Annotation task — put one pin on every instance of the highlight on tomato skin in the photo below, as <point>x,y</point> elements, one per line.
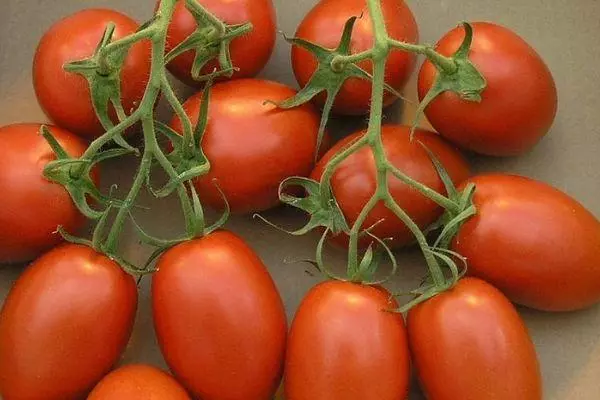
<point>470,343</point>
<point>518,105</point>
<point>65,323</point>
<point>252,145</point>
<point>138,381</point>
<point>217,315</point>
<point>33,207</point>
<point>249,53</point>
<point>324,25</point>
<point>354,181</point>
<point>550,243</point>
<point>65,96</point>
<point>345,344</point>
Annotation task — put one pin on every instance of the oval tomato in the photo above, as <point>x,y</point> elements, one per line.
<point>64,324</point>
<point>343,344</point>
<point>470,343</point>
<point>533,242</point>
<point>518,105</point>
<point>354,181</point>
<point>33,207</point>
<point>65,96</point>
<point>324,25</point>
<point>138,382</point>
<point>252,146</point>
<point>249,53</point>
<point>219,320</point>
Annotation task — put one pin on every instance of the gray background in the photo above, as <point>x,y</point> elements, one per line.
<point>566,34</point>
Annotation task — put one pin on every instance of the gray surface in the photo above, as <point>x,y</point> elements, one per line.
<point>566,34</point>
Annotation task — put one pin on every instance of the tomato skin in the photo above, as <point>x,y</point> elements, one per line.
<point>550,244</point>
<point>518,105</point>
<point>250,53</point>
<point>142,382</point>
<point>324,25</point>
<point>33,207</point>
<point>65,96</point>
<point>343,344</point>
<point>219,319</point>
<point>354,181</point>
<point>252,146</point>
<point>470,343</point>
<point>64,324</point>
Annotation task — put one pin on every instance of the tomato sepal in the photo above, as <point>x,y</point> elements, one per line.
<point>463,78</point>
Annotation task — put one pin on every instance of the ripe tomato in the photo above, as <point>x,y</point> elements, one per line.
<point>469,343</point>
<point>249,53</point>
<point>252,146</point>
<point>343,344</point>
<point>33,207</point>
<point>65,96</point>
<point>138,382</point>
<point>533,242</point>
<point>64,324</point>
<point>518,106</point>
<point>354,181</point>
<point>219,320</point>
<point>324,25</point>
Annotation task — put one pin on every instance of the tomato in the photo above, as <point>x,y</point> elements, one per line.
<point>518,105</point>
<point>219,320</point>
<point>469,343</point>
<point>141,382</point>
<point>324,25</point>
<point>344,344</point>
<point>354,181</point>
<point>64,324</point>
<point>33,207</point>
<point>533,242</point>
<point>252,146</point>
<point>65,96</point>
<point>249,53</point>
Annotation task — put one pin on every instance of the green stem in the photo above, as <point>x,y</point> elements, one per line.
<point>339,62</point>
<point>441,61</point>
<point>353,261</point>
<point>194,4</point>
<point>171,97</point>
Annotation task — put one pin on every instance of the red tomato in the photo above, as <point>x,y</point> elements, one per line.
<point>249,53</point>
<point>65,96</point>
<point>533,242</point>
<point>469,343</point>
<point>324,25</point>
<point>33,207</point>
<point>138,382</point>
<point>343,344</point>
<point>518,106</point>
<point>219,320</point>
<point>354,181</point>
<point>252,146</point>
<point>64,324</point>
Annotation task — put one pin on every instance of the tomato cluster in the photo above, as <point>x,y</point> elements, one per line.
<point>219,319</point>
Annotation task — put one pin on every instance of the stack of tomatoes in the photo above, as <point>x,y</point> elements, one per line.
<point>218,316</point>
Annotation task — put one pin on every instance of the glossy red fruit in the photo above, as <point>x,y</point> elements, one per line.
<point>345,344</point>
<point>252,146</point>
<point>219,319</point>
<point>324,25</point>
<point>33,207</point>
<point>533,242</point>
<point>65,96</point>
<point>64,324</point>
<point>138,382</point>
<point>518,105</point>
<point>249,53</point>
<point>469,343</point>
<point>354,181</point>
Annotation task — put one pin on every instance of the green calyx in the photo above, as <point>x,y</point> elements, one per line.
<point>457,74</point>
<point>211,40</point>
<point>333,71</point>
